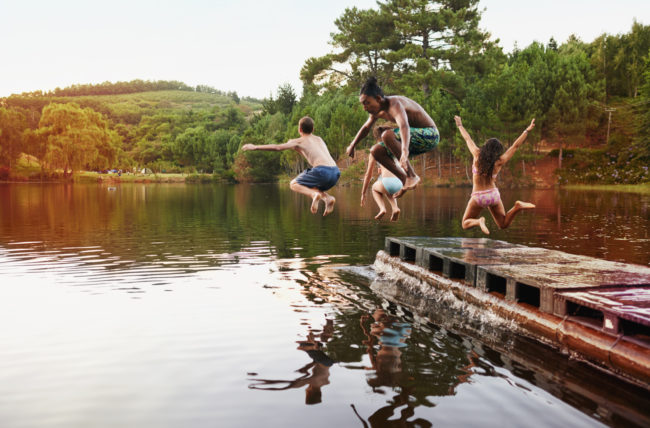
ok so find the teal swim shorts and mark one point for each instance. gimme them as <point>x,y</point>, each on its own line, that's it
<point>422,140</point>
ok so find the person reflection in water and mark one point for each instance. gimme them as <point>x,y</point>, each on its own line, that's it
<point>387,363</point>
<point>320,369</point>
<point>391,336</point>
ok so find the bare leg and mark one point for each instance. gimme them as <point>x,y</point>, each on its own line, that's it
<point>393,205</point>
<point>329,203</point>
<point>471,218</point>
<point>503,219</point>
<point>412,180</point>
<point>315,194</point>
<point>377,195</point>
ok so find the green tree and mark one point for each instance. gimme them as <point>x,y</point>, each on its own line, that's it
<point>256,166</point>
<point>437,35</point>
<point>641,145</point>
<point>12,126</point>
<point>630,59</point>
<point>365,40</point>
<point>286,99</point>
<point>568,115</point>
<point>76,138</point>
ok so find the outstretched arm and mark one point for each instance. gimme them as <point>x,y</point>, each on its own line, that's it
<point>363,131</point>
<point>270,147</point>
<point>518,142</point>
<point>367,178</point>
<point>473,148</point>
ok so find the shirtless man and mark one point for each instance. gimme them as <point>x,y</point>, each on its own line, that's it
<point>416,133</point>
<point>323,175</point>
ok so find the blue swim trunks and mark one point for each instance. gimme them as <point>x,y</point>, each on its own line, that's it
<point>391,184</point>
<point>321,177</point>
<point>422,140</point>
<point>395,335</point>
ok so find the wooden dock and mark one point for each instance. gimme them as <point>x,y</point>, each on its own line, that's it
<point>596,308</point>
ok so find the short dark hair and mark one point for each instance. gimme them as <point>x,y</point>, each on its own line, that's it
<point>371,88</point>
<point>306,125</point>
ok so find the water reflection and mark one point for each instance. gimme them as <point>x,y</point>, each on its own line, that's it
<point>319,366</point>
<point>187,296</point>
<point>191,227</point>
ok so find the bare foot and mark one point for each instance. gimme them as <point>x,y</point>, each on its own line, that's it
<point>410,184</point>
<point>395,215</point>
<point>380,214</point>
<point>314,203</point>
<point>329,205</point>
<point>481,223</point>
<point>524,205</point>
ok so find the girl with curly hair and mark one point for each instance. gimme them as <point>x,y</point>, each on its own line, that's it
<point>486,164</point>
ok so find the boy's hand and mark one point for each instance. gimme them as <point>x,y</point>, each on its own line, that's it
<point>459,123</point>
<point>350,150</point>
<point>246,147</point>
<point>531,126</point>
<point>404,161</point>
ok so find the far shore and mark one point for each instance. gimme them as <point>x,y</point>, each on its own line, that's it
<point>113,178</point>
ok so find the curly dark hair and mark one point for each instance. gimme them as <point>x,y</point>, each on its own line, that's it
<point>488,155</point>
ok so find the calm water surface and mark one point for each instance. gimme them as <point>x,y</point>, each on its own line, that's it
<point>219,306</point>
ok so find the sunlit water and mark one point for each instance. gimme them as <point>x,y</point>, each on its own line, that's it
<point>218,306</point>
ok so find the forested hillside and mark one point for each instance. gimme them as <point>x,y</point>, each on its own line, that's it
<point>591,101</point>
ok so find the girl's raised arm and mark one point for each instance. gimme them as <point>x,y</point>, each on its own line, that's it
<point>470,143</point>
<point>512,149</point>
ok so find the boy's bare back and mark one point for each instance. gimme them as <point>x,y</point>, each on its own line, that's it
<point>314,150</point>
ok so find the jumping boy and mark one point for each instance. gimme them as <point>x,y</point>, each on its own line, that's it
<point>416,133</point>
<point>323,175</point>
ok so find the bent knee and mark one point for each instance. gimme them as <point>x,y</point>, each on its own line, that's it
<point>388,134</point>
<point>377,150</point>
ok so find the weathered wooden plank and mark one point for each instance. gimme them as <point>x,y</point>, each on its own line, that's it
<point>615,310</point>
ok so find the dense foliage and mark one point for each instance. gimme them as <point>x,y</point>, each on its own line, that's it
<point>591,102</point>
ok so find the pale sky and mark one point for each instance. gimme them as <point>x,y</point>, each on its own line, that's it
<point>247,46</point>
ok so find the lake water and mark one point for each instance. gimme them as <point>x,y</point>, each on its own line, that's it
<point>234,306</point>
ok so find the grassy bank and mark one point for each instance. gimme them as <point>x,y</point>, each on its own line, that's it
<point>643,188</point>
<point>94,177</point>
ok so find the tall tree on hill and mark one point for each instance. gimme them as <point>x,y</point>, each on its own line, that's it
<point>630,58</point>
<point>366,41</point>
<point>576,89</point>
<point>436,35</point>
<point>286,99</point>
<point>641,146</point>
<point>405,43</point>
